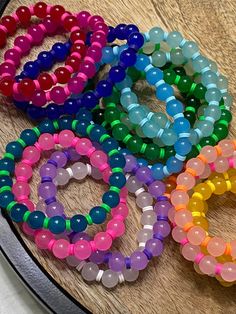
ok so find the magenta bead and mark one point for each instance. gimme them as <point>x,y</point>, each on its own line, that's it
<point>23,170</point>
<point>43,238</point>
<point>14,55</point>
<point>58,95</point>
<point>103,241</point>
<point>60,248</point>
<point>83,18</point>
<point>82,249</point>
<point>121,209</point>
<point>23,43</point>
<point>8,68</point>
<point>37,34</point>
<point>46,141</point>
<point>31,154</point>
<point>50,25</point>
<point>117,227</point>
<point>76,85</point>
<point>65,138</point>
<point>83,146</point>
<point>39,98</point>
<point>20,189</point>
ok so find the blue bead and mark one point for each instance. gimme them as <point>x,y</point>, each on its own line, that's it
<point>125,152</point>
<point>59,51</point>
<point>17,212</point>
<point>107,55</point>
<point>154,75</point>
<point>96,132</point>
<point>174,165</point>
<point>15,149</point>
<point>81,127</point>
<point>88,39</point>
<point>117,179</point>
<point>142,162</point>
<point>31,69</point>
<point>35,113</point>
<point>111,198</point>
<point>70,106</point>
<point>157,171</point>
<point>19,78</point>
<point>5,181</point>
<point>7,164</point>
<point>6,197</point>
<point>46,126</point>
<point>104,88</point>
<point>181,125</point>
<point>78,223</point>
<point>36,219</point>
<point>129,29</point>
<point>182,146</point>
<point>57,224</point>
<point>117,160</point>
<point>117,74</point>
<point>98,214</point>
<point>111,35</point>
<point>84,114</point>
<point>89,100</point>
<point>135,40</point>
<point>142,62</point>
<point>29,137</point>
<point>174,107</point>
<point>120,31</point>
<point>65,123</point>
<point>109,144</point>
<point>164,91</point>
<point>45,60</point>
<point>22,105</point>
<point>128,57</point>
<point>53,111</point>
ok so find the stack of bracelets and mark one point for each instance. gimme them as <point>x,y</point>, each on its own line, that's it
<point>91,123</point>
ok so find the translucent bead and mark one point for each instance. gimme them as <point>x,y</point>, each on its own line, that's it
<point>55,209</point>
<point>72,261</point>
<point>47,190</point>
<point>133,184</point>
<point>127,82</point>
<point>213,94</point>
<point>156,188</point>
<point>148,218</point>
<point>221,164</point>
<point>31,154</point>
<point>139,132</point>
<point>222,82</point>
<point>206,173</point>
<point>117,227</point>
<point>144,199</point>
<point>213,112</point>
<point>207,265</point>
<point>199,63</point>
<point>159,59</point>
<point>177,57</point>
<point>121,209</point>
<point>110,278</point>
<point>213,66</point>
<point>174,39</point>
<point>23,170</point>
<point>159,118</point>
<point>79,170</point>
<point>204,190</point>
<point>60,248</point>
<point>43,238</point>
<point>103,241</point>
<point>190,251</point>
<point>196,235</point>
<point>138,260</point>
<point>150,129</point>
<point>182,217</point>
<point>116,262</point>
<point>21,189</point>
<point>193,137</point>
<point>228,272</point>
<point>96,174</point>
<point>156,35</point>
<point>60,158</point>
<point>220,186</point>
<point>148,48</point>
<point>227,148</point>
<point>209,153</point>
<point>46,141</point>
<point>196,164</point>
<point>143,235</point>
<point>154,75</point>
<point>65,138</point>
<point>48,170</point>
<point>89,271</point>
<point>137,114</point>
<point>228,100</point>
<point>162,227</point>
<point>62,177</point>
<point>189,49</point>
<point>169,137</point>
<point>82,249</point>
<point>216,246</point>
<point>178,234</point>
<point>127,99</point>
<point>125,119</point>
<point>130,275</point>
<point>186,179</point>
<point>209,77</point>
<point>107,55</point>
<point>179,197</point>
<point>206,127</point>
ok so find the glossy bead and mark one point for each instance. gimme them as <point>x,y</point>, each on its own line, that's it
<point>216,246</point>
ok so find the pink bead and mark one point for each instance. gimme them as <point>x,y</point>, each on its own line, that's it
<point>221,164</point>
<point>39,98</point>
<point>65,138</point>
<point>14,55</point>
<point>103,241</point>
<point>171,214</point>
<point>206,173</point>
<point>76,85</point>
<point>190,251</point>
<point>60,248</point>
<point>82,249</point>
<point>216,246</point>
<point>23,43</point>
<point>117,226</point>
<point>46,141</point>
<point>83,146</point>
<point>49,25</point>
<point>209,152</point>
<point>58,95</point>
<point>197,165</point>
<point>23,170</point>
<point>227,148</point>
<point>207,265</point>
<point>98,158</point>
<point>124,192</point>
<point>178,234</point>
<point>28,204</point>
<point>182,217</point>
<point>83,18</point>
<point>43,238</point>
<point>121,210</point>
<point>31,154</point>
<point>95,53</point>
<point>106,175</point>
<point>8,68</point>
<point>88,68</point>
<point>37,34</point>
<point>196,235</point>
<point>27,230</point>
<point>20,188</point>
<point>179,197</point>
<point>186,179</point>
<point>228,272</point>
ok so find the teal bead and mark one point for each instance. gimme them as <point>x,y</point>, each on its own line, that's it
<point>174,39</point>
<point>14,148</point>
<point>200,63</point>
<point>127,82</point>
<point>107,55</point>
<point>160,119</point>
<point>156,35</point>
<point>28,136</point>
<point>46,126</point>
<point>213,112</point>
<point>36,219</point>
<point>150,129</point>
<point>17,212</point>
<point>57,224</point>
<point>98,214</point>
<point>193,138</point>
<point>209,77</point>
<point>7,164</point>
<point>137,114</point>
<point>177,57</point>
<point>206,127</point>
<point>65,123</point>
<point>168,137</point>
<point>6,197</point>
<point>127,99</point>
<point>213,94</point>
<point>189,49</point>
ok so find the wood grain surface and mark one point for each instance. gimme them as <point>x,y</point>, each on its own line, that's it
<point>170,284</point>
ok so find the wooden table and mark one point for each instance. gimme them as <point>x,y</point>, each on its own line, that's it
<point>169,285</point>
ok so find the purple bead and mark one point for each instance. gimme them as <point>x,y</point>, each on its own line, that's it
<point>162,227</point>
<point>97,257</point>
<point>81,236</point>
<point>55,209</point>
<point>74,156</point>
<point>138,260</point>
<point>47,190</point>
<point>162,208</point>
<point>154,246</point>
<point>48,170</point>
<point>116,262</point>
<point>60,158</point>
<point>131,163</point>
<point>144,174</point>
<point>156,188</point>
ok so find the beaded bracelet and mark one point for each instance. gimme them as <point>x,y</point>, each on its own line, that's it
<point>14,150</point>
<point>197,245</point>
<point>35,89</point>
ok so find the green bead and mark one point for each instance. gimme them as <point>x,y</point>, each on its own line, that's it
<point>207,141</point>
<point>191,101</point>
<point>114,98</point>
<point>134,144</point>
<point>120,131</point>
<point>226,115</point>
<point>199,91</point>
<point>220,130</point>
<point>134,74</point>
<point>193,153</point>
<point>180,71</point>
<point>170,151</point>
<point>98,116</point>
<point>169,76</point>
<point>184,84</point>
<point>111,114</point>
<point>190,115</point>
<point>152,151</point>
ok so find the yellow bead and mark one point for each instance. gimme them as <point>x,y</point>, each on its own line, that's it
<point>215,175</point>
<point>226,284</point>
<point>231,172</point>
<point>233,184</point>
<point>203,189</point>
<point>204,250</point>
<point>220,186</point>
<point>224,258</point>
<point>195,205</point>
<point>201,222</point>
